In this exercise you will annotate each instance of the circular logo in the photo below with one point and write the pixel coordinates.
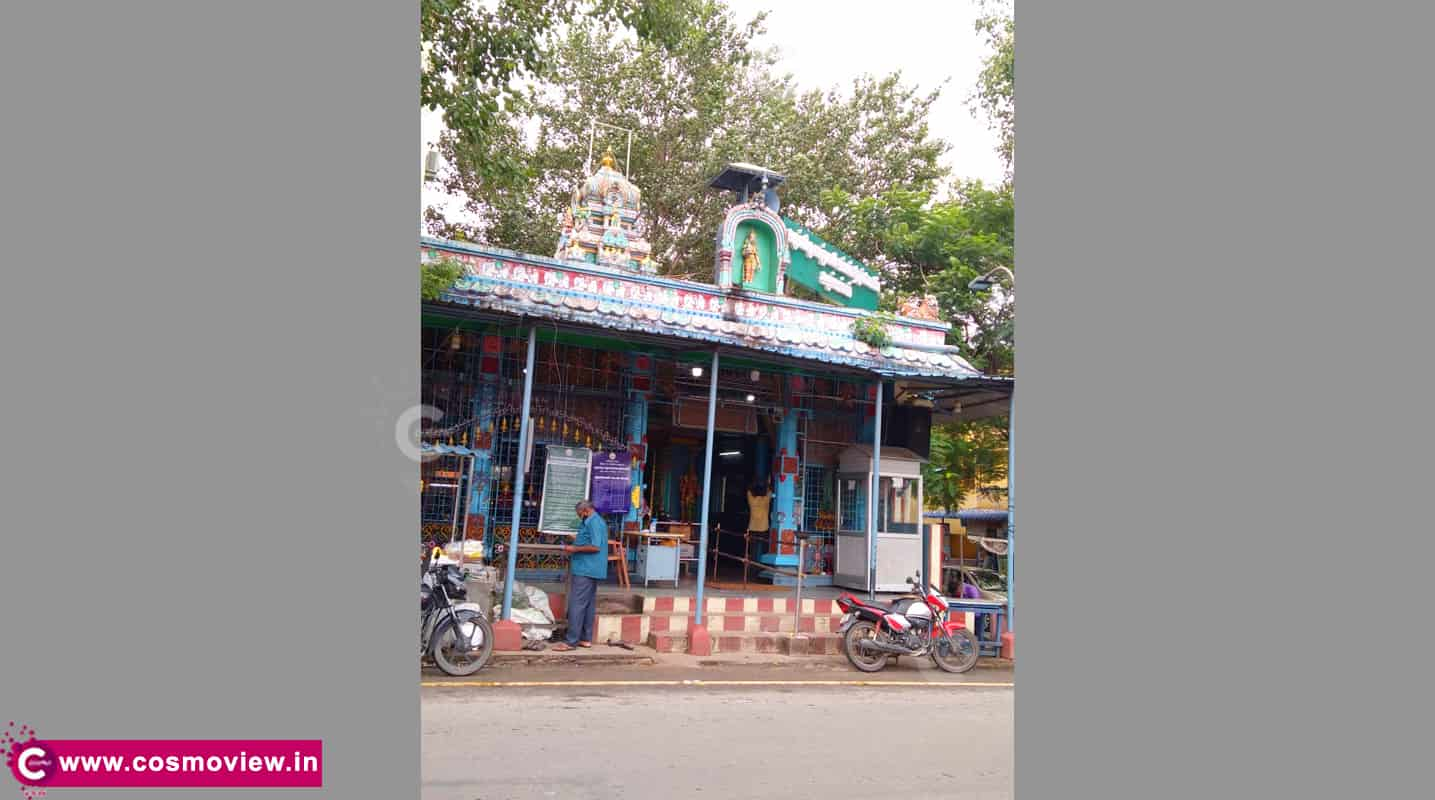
(33, 763)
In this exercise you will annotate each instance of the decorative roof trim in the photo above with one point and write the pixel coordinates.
(616, 300)
(655, 280)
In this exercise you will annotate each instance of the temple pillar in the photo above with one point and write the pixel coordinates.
(784, 517)
(480, 483)
(640, 387)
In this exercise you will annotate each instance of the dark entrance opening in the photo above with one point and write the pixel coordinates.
(739, 460)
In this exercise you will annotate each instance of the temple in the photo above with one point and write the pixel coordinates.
(680, 396)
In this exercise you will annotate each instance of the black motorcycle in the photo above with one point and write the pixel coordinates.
(454, 633)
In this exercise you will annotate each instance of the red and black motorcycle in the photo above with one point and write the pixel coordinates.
(913, 625)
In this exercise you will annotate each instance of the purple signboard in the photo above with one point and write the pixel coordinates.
(612, 480)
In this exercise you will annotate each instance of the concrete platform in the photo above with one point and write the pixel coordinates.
(661, 620)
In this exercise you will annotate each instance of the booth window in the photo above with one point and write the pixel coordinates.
(900, 508)
(851, 510)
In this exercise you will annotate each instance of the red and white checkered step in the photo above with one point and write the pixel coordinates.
(747, 615)
(817, 644)
(736, 624)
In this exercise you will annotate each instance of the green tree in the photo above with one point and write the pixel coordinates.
(923, 247)
(436, 277)
(996, 83)
(697, 103)
(477, 56)
(965, 458)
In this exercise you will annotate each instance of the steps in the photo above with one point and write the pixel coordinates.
(817, 644)
(743, 624)
(735, 624)
(739, 605)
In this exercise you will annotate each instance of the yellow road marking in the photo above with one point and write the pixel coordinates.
(538, 684)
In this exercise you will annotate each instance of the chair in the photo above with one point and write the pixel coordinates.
(618, 552)
(684, 562)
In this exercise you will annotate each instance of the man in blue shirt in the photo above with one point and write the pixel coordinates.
(588, 563)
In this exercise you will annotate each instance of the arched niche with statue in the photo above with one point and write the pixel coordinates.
(752, 250)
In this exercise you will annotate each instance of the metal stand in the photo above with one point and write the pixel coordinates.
(801, 554)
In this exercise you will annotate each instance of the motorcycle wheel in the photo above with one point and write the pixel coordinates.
(850, 645)
(957, 654)
(453, 660)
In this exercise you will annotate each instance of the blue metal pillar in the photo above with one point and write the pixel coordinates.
(1010, 511)
(875, 496)
(524, 435)
(707, 487)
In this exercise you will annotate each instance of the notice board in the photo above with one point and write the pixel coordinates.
(612, 479)
(565, 484)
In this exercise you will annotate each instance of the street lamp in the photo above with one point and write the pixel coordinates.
(430, 165)
(982, 284)
(986, 282)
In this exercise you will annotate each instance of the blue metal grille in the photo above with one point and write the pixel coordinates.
(578, 400)
(444, 479)
(816, 495)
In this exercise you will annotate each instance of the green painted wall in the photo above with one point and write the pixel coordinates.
(804, 271)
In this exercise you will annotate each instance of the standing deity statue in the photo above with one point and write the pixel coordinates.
(749, 257)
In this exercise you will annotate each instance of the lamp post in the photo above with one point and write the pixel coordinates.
(982, 284)
(985, 282)
(430, 166)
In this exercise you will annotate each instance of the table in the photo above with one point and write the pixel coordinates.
(686, 542)
(992, 645)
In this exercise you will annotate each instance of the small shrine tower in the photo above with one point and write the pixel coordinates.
(603, 223)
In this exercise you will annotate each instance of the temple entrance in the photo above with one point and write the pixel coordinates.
(675, 476)
(740, 459)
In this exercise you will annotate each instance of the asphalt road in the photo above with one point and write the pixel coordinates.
(941, 739)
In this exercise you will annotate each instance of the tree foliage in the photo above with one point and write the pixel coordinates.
(477, 55)
(965, 458)
(937, 248)
(436, 277)
(996, 83)
(696, 102)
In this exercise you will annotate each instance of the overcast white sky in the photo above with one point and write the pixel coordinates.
(830, 43)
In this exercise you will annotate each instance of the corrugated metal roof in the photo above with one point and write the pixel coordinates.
(889, 453)
(982, 515)
(969, 515)
(446, 449)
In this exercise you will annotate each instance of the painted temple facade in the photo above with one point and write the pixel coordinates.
(618, 350)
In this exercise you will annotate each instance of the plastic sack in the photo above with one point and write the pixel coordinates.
(531, 610)
(470, 550)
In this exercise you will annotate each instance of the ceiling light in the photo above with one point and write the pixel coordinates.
(697, 372)
(751, 398)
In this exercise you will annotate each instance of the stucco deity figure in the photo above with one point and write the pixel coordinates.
(688, 494)
(749, 257)
(923, 307)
